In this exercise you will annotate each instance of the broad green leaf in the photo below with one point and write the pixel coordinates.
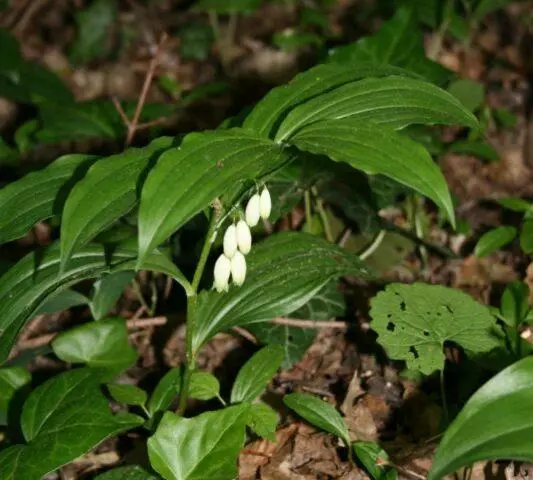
(318, 413)
(11, 57)
(284, 272)
(394, 101)
(107, 291)
(11, 380)
(478, 148)
(127, 394)
(414, 321)
(94, 24)
(130, 472)
(496, 423)
(166, 390)
(514, 304)
(378, 150)
(187, 179)
(494, 240)
(204, 386)
(267, 115)
(526, 236)
(515, 204)
(227, 6)
(37, 276)
(370, 454)
(99, 344)
(11, 467)
(263, 421)
(469, 92)
(109, 190)
(62, 301)
(39, 195)
(43, 84)
(256, 373)
(64, 418)
(198, 448)
(398, 42)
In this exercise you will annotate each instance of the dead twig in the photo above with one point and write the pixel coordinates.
(296, 322)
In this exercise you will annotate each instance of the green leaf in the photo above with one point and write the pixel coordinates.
(414, 321)
(127, 394)
(394, 101)
(204, 386)
(166, 390)
(284, 272)
(61, 420)
(196, 40)
(130, 472)
(11, 380)
(43, 84)
(494, 240)
(515, 204)
(187, 179)
(378, 150)
(11, 463)
(469, 92)
(228, 6)
(39, 195)
(291, 40)
(318, 413)
(11, 57)
(494, 424)
(62, 301)
(37, 276)
(370, 454)
(94, 24)
(263, 421)
(267, 115)
(256, 373)
(514, 303)
(197, 448)
(99, 200)
(398, 42)
(486, 6)
(107, 291)
(526, 236)
(102, 344)
(478, 148)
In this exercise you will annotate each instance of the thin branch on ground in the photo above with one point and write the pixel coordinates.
(296, 322)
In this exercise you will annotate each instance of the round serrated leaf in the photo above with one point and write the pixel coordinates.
(414, 321)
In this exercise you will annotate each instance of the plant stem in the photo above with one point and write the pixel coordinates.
(374, 245)
(192, 304)
(323, 216)
(443, 397)
(308, 214)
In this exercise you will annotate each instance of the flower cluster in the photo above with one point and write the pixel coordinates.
(238, 242)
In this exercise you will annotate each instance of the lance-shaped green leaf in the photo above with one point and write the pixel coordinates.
(39, 195)
(187, 179)
(166, 390)
(284, 272)
(496, 423)
(413, 323)
(37, 276)
(107, 291)
(378, 150)
(61, 420)
(197, 448)
(494, 240)
(109, 190)
(267, 115)
(393, 101)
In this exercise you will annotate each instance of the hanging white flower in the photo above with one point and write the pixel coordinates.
(244, 237)
(222, 273)
(238, 268)
(253, 212)
(265, 204)
(230, 241)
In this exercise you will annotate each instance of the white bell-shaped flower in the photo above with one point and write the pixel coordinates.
(244, 237)
(265, 204)
(222, 273)
(230, 241)
(253, 212)
(238, 268)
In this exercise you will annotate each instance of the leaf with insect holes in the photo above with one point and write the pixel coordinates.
(109, 190)
(61, 420)
(494, 240)
(99, 344)
(377, 150)
(256, 373)
(187, 179)
(39, 195)
(205, 446)
(37, 276)
(413, 322)
(204, 386)
(284, 272)
(318, 413)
